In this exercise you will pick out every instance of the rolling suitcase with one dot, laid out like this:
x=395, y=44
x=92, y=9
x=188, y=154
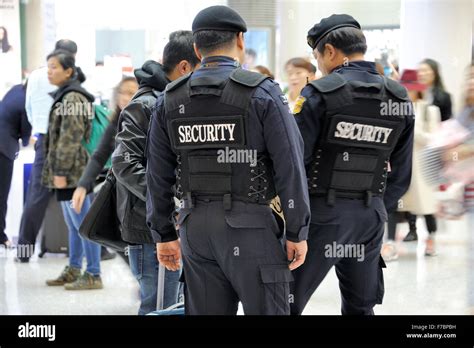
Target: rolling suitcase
x=55, y=235
x=176, y=309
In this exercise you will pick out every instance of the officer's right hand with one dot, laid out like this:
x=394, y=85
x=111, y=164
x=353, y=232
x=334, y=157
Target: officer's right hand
x=296, y=253
x=169, y=254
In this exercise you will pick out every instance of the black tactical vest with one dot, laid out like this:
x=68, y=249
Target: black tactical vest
x=351, y=158
x=208, y=126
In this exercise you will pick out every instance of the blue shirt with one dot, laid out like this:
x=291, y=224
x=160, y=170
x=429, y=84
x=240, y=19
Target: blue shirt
x=272, y=130
x=38, y=101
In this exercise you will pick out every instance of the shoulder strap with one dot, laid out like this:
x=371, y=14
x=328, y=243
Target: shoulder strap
x=247, y=78
x=329, y=83
x=396, y=89
x=240, y=87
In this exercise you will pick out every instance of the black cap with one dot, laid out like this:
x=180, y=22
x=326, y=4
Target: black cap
x=67, y=45
x=335, y=21
x=221, y=18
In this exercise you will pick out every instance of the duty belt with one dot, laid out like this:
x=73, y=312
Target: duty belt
x=189, y=201
x=331, y=195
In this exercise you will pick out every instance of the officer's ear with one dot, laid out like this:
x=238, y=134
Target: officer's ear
x=198, y=54
x=240, y=41
x=329, y=51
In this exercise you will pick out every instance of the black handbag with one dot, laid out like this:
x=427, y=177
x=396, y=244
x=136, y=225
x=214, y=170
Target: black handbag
x=101, y=223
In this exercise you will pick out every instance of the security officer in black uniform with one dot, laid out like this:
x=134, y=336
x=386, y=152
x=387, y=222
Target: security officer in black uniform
x=358, y=154
x=225, y=139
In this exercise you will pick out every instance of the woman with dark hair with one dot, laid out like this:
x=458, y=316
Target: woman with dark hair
x=4, y=43
x=65, y=160
x=435, y=94
x=298, y=70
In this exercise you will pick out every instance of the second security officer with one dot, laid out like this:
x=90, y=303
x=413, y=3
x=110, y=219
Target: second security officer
x=358, y=154
x=225, y=139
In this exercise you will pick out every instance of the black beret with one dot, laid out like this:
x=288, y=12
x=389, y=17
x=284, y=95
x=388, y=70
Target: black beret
x=335, y=21
x=221, y=18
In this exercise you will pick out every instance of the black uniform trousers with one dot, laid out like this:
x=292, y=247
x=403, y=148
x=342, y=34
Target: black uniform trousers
x=6, y=171
x=233, y=255
x=37, y=199
x=348, y=236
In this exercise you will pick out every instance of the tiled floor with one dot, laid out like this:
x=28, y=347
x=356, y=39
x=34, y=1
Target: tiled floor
x=414, y=284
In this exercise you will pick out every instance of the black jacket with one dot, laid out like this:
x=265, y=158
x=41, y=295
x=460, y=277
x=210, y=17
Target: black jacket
x=128, y=159
x=442, y=100
x=14, y=124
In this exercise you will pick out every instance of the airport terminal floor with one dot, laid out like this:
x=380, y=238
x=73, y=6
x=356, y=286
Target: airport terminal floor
x=414, y=284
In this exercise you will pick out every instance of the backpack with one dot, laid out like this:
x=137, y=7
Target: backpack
x=99, y=124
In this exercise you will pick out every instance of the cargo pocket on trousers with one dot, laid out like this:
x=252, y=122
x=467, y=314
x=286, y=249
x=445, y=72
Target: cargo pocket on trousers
x=381, y=286
x=276, y=284
x=246, y=235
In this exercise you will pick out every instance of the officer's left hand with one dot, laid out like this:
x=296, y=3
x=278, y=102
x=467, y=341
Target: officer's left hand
x=169, y=254
x=296, y=253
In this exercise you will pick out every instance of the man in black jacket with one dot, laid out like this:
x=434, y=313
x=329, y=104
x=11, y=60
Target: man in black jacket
x=14, y=125
x=129, y=166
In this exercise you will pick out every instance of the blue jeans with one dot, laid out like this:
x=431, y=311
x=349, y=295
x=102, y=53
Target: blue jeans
x=144, y=266
x=77, y=245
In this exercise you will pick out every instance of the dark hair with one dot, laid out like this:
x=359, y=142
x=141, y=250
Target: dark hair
x=264, y=71
x=208, y=41
x=180, y=47
x=348, y=40
x=66, y=45
x=65, y=59
x=5, y=44
x=300, y=63
x=433, y=64
x=116, y=110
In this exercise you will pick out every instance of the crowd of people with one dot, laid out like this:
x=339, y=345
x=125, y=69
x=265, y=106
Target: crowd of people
x=71, y=156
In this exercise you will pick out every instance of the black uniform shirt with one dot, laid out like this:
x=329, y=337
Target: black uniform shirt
x=311, y=118
x=273, y=130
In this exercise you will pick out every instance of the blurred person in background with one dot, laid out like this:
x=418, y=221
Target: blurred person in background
x=38, y=106
x=70, y=122
x=435, y=94
x=14, y=125
x=420, y=198
x=250, y=59
x=466, y=151
x=129, y=166
x=312, y=75
x=264, y=71
x=4, y=43
x=122, y=95
x=298, y=71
